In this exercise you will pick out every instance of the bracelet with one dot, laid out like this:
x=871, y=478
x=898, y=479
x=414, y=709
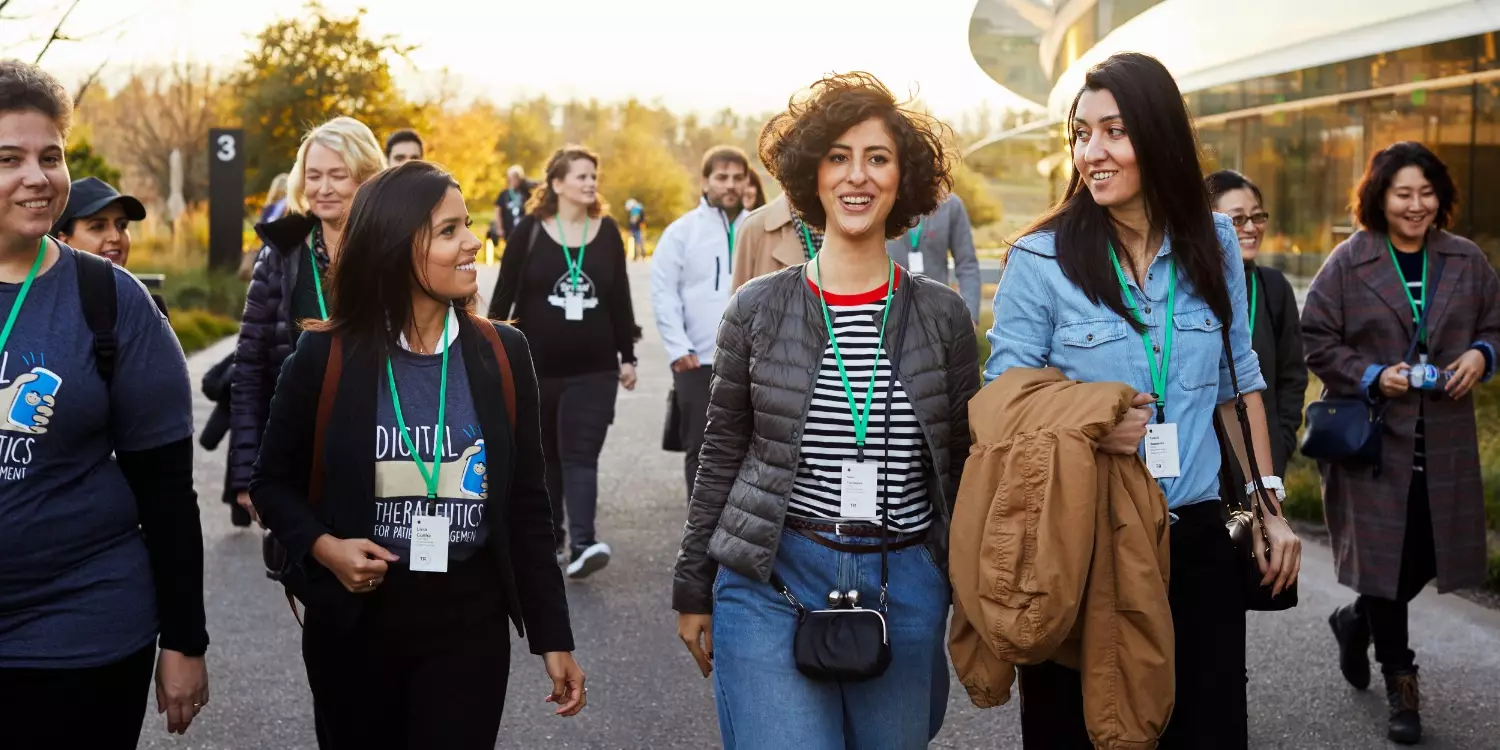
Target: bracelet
x=1273, y=484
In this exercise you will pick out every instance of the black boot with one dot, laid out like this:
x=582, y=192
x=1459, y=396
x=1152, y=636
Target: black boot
x=1405, y=699
x=1352, y=631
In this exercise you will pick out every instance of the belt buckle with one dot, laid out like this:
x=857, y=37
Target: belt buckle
x=838, y=529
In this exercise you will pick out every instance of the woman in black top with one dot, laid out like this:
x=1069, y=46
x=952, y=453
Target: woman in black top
x=563, y=282
x=391, y=546
x=101, y=554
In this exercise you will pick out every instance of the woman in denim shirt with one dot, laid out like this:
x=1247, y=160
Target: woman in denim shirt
x=1063, y=302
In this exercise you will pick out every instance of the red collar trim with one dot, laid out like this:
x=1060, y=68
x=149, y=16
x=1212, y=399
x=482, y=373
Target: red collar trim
x=863, y=298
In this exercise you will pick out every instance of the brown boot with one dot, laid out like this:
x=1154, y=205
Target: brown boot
x=1405, y=700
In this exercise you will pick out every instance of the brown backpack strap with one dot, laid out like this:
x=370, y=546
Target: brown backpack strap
x=507, y=376
x=331, y=374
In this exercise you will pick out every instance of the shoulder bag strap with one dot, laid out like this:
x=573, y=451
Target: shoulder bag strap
x=1242, y=412
x=507, y=375
x=515, y=302
x=894, y=357
x=326, y=397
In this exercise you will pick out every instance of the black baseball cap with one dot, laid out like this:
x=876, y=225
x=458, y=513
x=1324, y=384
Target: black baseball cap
x=91, y=195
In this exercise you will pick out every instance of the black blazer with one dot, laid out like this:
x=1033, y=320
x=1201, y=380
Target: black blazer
x=518, y=511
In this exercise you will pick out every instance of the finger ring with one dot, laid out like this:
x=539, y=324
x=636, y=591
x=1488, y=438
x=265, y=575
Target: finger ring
x=370, y=583
x=197, y=705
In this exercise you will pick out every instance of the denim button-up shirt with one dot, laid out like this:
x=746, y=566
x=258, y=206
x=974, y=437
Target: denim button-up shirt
x=1043, y=319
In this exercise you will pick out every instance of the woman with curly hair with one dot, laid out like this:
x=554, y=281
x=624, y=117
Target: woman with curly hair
x=830, y=467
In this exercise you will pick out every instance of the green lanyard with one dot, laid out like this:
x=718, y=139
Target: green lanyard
x=861, y=417
x=807, y=238
x=1158, y=368
x=731, y=236
x=431, y=477
x=1417, y=318
x=1254, y=294
x=916, y=234
x=575, y=269
x=312, y=259
x=15, y=307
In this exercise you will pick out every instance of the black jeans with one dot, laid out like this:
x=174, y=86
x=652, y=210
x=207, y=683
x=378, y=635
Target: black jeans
x=99, y=708
x=692, y=388
x=1208, y=615
x=576, y=414
x=1388, y=617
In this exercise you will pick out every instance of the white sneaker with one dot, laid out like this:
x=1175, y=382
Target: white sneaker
x=590, y=561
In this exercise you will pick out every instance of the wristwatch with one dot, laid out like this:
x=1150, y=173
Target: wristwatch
x=1273, y=484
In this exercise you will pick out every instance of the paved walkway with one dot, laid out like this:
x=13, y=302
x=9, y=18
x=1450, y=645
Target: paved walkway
x=647, y=695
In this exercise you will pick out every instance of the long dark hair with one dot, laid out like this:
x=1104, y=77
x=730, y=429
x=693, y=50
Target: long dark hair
x=753, y=180
x=370, y=301
x=1176, y=202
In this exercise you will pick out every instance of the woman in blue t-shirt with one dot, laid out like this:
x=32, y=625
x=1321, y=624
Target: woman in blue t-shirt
x=441, y=524
x=1132, y=264
x=101, y=555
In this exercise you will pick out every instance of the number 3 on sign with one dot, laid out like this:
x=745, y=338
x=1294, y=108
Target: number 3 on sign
x=226, y=148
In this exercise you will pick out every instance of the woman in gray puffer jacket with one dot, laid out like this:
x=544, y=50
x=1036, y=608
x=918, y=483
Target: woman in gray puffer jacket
x=838, y=418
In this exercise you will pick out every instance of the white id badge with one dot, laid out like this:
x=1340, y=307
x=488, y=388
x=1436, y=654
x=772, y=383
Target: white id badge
x=914, y=263
x=573, y=306
x=429, y=544
x=1162, y=456
x=858, y=492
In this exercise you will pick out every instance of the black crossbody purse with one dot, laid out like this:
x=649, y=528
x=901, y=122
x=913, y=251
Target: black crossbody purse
x=850, y=644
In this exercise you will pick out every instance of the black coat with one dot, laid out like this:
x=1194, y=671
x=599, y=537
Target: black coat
x=518, y=511
x=268, y=334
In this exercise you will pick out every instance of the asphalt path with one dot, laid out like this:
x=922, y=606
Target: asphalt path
x=646, y=693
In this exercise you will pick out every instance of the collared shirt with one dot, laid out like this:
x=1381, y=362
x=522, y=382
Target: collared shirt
x=1043, y=319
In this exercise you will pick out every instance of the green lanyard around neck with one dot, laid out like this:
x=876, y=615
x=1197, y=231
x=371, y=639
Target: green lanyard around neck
x=312, y=259
x=916, y=234
x=730, y=230
x=15, y=307
x=575, y=268
x=1417, y=318
x=1158, y=367
x=807, y=238
x=861, y=417
x=431, y=477
x=1254, y=295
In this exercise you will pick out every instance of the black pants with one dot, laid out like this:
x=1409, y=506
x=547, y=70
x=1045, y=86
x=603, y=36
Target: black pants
x=1208, y=616
x=576, y=414
x=380, y=688
x=99, y=708
x=691, y=388
x=1388, y=617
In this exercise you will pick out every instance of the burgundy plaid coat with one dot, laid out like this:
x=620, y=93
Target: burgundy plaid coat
x=1357, y=316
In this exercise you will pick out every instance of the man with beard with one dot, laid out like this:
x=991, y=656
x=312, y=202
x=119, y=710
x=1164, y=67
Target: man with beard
x=691, y=273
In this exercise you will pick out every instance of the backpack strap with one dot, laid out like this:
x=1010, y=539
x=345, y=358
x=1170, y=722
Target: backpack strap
x=326, y=396
x=507, y=375
x=96, y=288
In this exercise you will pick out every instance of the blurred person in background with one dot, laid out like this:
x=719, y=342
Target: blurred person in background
x=287, y=284
x=275, y=206
x=101, y=552
x=770, y=239
x=97, y=220
x=403, y=146
x=635, y=218
x=1402, y=279
x=1275, y=330
x=406, y=644
x=925, y=249
x=755, y=195
x=690, y=276
x=510, y=205
x=564, y=281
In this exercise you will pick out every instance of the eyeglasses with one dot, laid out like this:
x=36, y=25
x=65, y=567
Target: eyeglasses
x=1260, y=219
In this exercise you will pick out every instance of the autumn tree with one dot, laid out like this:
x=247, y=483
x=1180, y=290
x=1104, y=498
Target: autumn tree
x=305, y=71
x=157, y=111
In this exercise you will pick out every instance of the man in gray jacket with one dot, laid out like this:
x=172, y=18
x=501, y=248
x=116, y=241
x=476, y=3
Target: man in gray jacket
x=691, y=273
x=924, y=249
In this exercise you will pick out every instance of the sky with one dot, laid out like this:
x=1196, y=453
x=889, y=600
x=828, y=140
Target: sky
x=697, y=55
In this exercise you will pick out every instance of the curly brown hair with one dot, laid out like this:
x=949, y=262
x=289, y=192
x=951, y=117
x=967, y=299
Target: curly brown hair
x=24, y=86
x=543, y=201
x=794, y=143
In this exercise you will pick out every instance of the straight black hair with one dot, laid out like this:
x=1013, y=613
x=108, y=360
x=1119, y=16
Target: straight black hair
x=1369, y=196
x=1166, y=150
x=370, y=303
x=1225, y=180
x=404, y=135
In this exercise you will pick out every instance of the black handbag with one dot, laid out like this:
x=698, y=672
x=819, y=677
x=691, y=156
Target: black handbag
x=1242, y=520
x=849, y=644
x=671, y=432
x=1347, y=430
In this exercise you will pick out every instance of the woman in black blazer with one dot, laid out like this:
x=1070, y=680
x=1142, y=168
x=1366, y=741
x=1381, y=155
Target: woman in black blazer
x=410, y=567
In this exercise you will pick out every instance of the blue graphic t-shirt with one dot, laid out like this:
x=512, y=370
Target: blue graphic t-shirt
x=400, y=490
x=75, y=583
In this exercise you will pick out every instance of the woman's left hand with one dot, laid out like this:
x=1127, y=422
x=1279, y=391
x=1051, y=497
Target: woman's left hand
x=181, y=688
x=1466, y=371
x=568, y=691
x=1284, y=563
x=627, y=376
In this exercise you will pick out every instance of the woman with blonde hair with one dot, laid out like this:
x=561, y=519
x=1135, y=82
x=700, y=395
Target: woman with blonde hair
x=563, y=282
x=290, y=273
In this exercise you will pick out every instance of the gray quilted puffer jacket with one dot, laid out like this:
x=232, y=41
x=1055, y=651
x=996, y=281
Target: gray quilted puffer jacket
x=771, y=344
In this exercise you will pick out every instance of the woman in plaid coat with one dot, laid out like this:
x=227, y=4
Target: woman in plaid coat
x=1422, y=515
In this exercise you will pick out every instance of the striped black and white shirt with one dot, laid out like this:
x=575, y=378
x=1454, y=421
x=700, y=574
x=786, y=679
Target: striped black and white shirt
x=828, y=438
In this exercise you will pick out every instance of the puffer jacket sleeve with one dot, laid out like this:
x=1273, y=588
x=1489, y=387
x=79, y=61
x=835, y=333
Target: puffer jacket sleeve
x=250, y=391
x=725, y=444
x=962, y=356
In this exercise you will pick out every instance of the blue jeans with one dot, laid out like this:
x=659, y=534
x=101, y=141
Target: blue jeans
x=764, y=703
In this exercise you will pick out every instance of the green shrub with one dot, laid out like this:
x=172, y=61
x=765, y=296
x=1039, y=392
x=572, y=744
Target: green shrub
x=199, y=329
x=1304, y=490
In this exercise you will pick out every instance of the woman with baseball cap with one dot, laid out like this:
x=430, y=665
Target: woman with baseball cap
x=97, y=220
